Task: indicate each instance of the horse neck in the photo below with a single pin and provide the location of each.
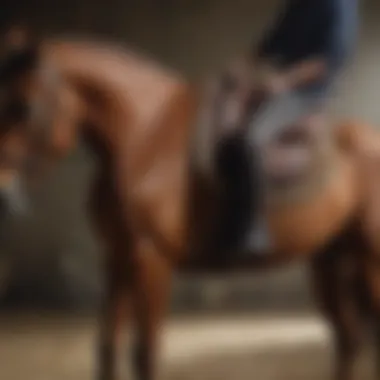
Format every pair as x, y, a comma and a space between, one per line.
113, 85
127, 97
92, 91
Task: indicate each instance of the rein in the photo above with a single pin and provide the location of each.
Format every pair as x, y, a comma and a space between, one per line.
42, 111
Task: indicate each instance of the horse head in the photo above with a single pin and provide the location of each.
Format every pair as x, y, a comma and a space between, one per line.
35, 114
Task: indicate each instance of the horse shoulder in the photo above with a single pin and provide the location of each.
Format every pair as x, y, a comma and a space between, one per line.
155, 197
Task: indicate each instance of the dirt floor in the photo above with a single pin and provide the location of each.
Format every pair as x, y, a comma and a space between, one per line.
37, 348
305, 363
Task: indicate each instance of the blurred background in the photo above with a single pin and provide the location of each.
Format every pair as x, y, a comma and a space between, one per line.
51, 260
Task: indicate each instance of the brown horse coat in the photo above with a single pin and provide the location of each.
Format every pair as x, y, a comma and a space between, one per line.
155, 198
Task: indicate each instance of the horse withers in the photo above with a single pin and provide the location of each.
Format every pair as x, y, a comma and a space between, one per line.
157, 195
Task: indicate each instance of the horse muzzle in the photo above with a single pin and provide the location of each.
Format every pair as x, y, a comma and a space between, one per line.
13, 198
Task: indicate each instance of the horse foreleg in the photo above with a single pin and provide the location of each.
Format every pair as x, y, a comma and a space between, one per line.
377, 348
370, 225
111, 318
334, 285
150, 290
373, 287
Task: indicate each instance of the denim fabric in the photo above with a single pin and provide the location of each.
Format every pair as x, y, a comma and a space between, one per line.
313, 28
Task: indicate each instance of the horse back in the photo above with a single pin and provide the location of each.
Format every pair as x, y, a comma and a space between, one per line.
355, 137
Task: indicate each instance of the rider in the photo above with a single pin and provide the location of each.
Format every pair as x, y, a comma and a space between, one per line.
297, 60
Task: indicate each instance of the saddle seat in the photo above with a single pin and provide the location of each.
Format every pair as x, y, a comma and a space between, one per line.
294, 157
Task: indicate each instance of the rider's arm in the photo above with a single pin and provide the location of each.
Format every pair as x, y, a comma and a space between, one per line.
332, 32
337, 36
305, 72
273, 41
281, 43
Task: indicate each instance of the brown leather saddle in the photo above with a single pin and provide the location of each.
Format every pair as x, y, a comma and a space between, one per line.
292, 156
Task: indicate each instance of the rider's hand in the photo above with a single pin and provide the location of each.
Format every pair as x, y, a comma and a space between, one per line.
275, 84
243, 71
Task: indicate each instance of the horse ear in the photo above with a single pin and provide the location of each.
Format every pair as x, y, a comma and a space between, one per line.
19, 53
19, 37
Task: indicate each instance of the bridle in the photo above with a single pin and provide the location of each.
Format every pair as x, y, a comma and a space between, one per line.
43, 108
42, 111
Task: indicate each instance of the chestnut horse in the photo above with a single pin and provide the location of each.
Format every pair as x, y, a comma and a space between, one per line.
156, 196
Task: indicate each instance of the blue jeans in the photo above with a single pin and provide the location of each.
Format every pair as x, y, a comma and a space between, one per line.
313, 28
272, 117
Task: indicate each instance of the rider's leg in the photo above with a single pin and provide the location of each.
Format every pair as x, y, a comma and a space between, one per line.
270, 119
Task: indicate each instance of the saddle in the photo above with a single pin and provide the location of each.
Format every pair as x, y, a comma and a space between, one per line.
292, 157
295, 157
297, 163
286, 167
293, 166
